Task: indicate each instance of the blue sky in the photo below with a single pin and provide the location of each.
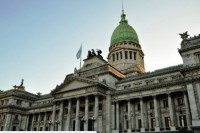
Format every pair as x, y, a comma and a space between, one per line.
39, 38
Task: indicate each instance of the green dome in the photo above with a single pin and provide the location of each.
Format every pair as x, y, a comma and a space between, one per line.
124, 32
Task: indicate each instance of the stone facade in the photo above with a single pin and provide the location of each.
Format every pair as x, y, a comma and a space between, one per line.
101, 97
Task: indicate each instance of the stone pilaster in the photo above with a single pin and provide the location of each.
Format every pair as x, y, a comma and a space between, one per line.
77, 114
108, 115
96, 113
53, 117
129, 117
133, 116
86, 114
38, 122
142, 114
27, 121
8, 122
117, 115
157, 128
188, 115
32, 122
113, 115
193, 106
69, 114
171, 111
60, 125
45, 117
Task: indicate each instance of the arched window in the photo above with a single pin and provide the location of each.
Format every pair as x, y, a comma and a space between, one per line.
126, 54
121, 55
134, 55
117, 54
113, 56
130, 54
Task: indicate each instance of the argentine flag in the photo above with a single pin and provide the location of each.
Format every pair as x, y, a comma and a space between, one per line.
78, 55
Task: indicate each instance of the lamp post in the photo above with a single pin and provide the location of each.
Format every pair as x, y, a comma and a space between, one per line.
93, 119
57, 122
50, 123
83, 119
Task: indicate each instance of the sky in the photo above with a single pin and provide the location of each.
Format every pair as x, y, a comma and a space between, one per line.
39, 39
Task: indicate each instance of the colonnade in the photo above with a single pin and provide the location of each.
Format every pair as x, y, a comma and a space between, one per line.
143, 114
57, 121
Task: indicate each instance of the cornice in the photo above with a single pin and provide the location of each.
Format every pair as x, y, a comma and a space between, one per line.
155, 86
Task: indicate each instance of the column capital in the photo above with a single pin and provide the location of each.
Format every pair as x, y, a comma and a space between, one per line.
169, 93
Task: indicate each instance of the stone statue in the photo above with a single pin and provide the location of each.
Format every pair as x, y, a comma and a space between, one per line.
184, 35
99, 52
22, 82
89, 54
93, 52
76, 72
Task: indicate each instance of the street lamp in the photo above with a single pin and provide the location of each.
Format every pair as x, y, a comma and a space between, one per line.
57, 122
93, 119
50, 123
83, 119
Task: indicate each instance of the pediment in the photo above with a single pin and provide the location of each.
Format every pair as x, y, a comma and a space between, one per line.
72, 85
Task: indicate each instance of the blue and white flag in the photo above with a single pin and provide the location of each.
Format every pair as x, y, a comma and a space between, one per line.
78, 55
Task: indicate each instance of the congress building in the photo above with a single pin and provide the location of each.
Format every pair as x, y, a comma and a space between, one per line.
114, 95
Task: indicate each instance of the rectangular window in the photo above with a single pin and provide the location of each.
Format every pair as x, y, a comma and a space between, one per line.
151, 105
139, 123
167, 122
42, 118
74, 110
100, 106
91, 108
153, 123
126, 54
183, 122
14, 128
19, 102
165, 103
82, 109
138, 107
180, 101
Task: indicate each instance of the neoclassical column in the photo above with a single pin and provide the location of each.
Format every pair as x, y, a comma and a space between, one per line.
53, 117
8, 122
86, 114
60, 125
69, 114
117, 115
142, 114
108, 115
45, 117
193, 105
77, 114
156, 113
38, 122
188, 116
133, 116
32, 122
171, 111
96, 111
113, 116
26, 124
129, 115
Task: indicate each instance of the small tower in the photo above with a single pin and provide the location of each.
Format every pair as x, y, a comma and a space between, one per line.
125, 52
